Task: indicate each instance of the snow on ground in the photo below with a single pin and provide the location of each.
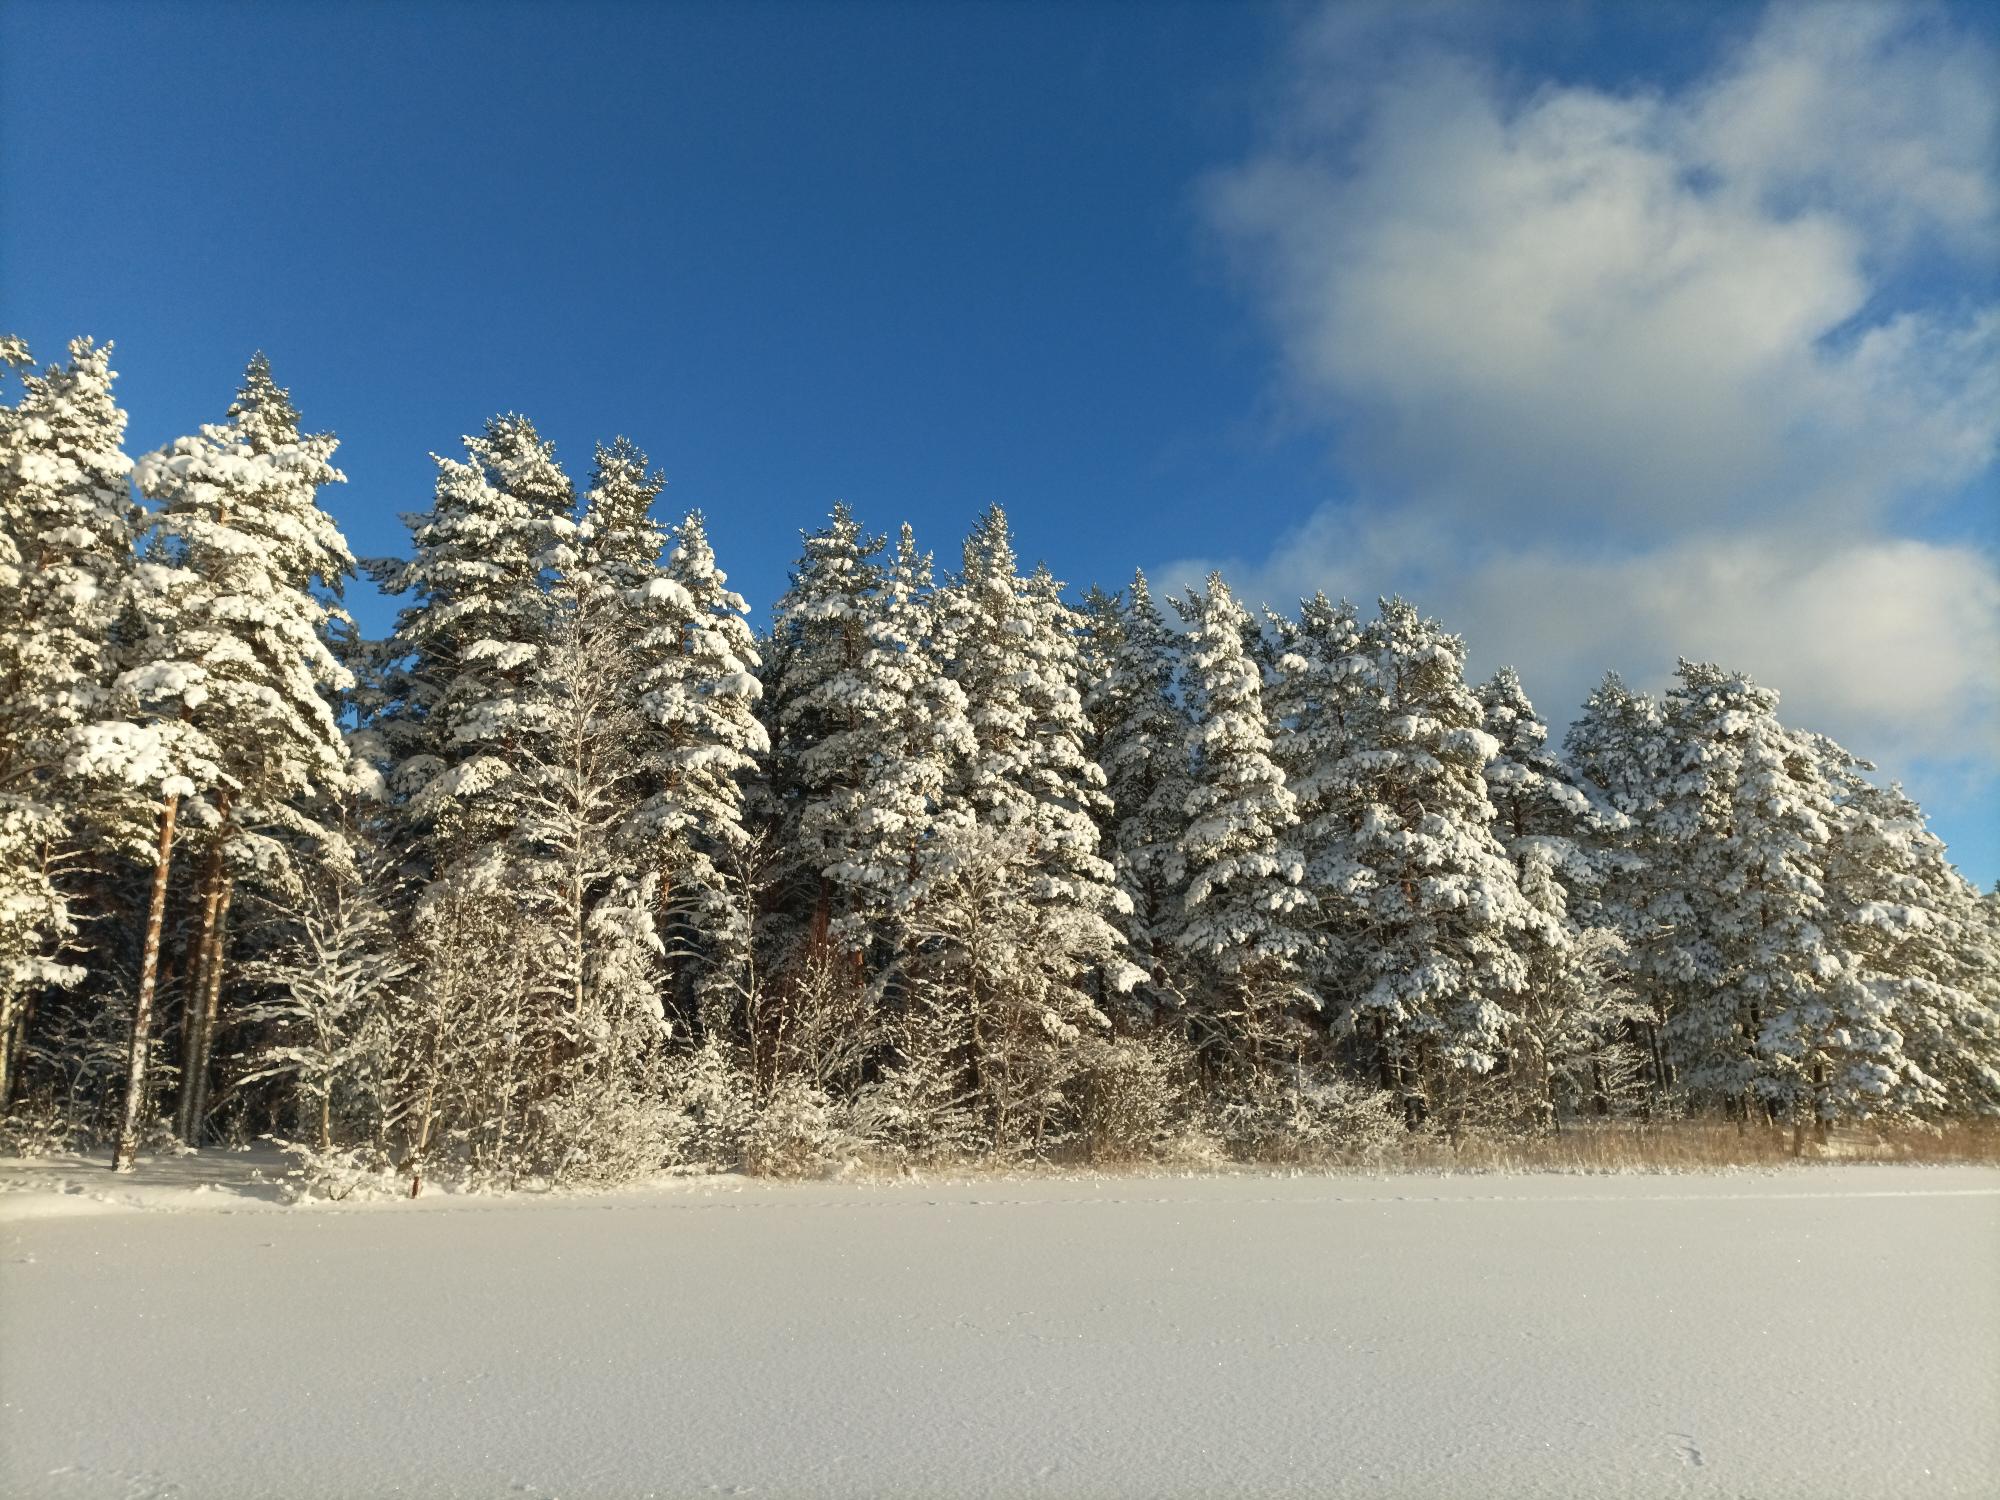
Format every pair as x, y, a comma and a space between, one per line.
1822, 1332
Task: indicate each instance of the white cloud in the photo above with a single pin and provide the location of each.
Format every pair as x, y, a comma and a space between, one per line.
1874, 109
1888, 644
1641, 371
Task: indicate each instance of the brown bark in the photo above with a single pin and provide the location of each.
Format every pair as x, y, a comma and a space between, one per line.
204, 960
13, 1021
142, 1007
196, 1085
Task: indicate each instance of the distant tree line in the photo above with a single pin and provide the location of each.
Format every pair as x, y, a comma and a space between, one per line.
576, 876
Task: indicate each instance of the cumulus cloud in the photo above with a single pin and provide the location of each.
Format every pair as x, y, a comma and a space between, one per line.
1651, 372
1889, 644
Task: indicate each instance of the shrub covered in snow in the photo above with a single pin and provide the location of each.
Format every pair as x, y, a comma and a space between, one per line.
1311, 1117
1132, 1096
795, 1134
712, 1108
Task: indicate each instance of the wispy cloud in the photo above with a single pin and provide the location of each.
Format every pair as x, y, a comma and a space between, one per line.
1647, 373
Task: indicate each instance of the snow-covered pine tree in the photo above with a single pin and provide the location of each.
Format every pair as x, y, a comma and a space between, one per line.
822, 701
1535, 796
619, 546
1623, 750
1435, 918
459, 703
239, 511
1323, 712
1979, 929
1246, 904
699, 694
902, 835
66, 532
1574, 1008
1033, 789
1786, 1026
1141, 733
1913, 925
154, 745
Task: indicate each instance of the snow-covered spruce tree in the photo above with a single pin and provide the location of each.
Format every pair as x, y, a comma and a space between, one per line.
1913, 926
1979, 930
1573, 1007
66, 533
459, 717
1032, 788
1246, 905
823, 705
240, 512
902, 845
997, 1021
698, 697
1624, 751
620, 547
1786, 1027
918, 731
1323, 712
900, 833
1141, 739
1435, 920
459, 703
1536, 798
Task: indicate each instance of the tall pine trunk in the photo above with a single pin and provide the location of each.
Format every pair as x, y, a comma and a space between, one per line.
142, 1005
196, 1086
205, 958
13, 1024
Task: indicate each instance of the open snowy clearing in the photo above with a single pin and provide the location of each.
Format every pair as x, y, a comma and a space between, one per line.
1816, 1333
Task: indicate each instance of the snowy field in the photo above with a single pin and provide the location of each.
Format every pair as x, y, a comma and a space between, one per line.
1815, 1333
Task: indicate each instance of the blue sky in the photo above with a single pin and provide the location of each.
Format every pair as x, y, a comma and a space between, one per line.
1610, 334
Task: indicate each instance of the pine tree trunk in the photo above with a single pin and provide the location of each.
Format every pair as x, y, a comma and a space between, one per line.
142, 1006
196, 1087
192, 1040
1656, 1049
13, 1018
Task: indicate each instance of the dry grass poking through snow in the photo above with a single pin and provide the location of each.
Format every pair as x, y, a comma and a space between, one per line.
1694, 1146
1618, 1146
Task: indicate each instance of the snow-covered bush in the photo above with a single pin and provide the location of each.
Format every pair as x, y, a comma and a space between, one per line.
919, 1109
795, 1134
74, 1067
821, 1023
40, 1126
1311, 1118
604, 1131
339, 1172
713, 1105
1131, 1096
